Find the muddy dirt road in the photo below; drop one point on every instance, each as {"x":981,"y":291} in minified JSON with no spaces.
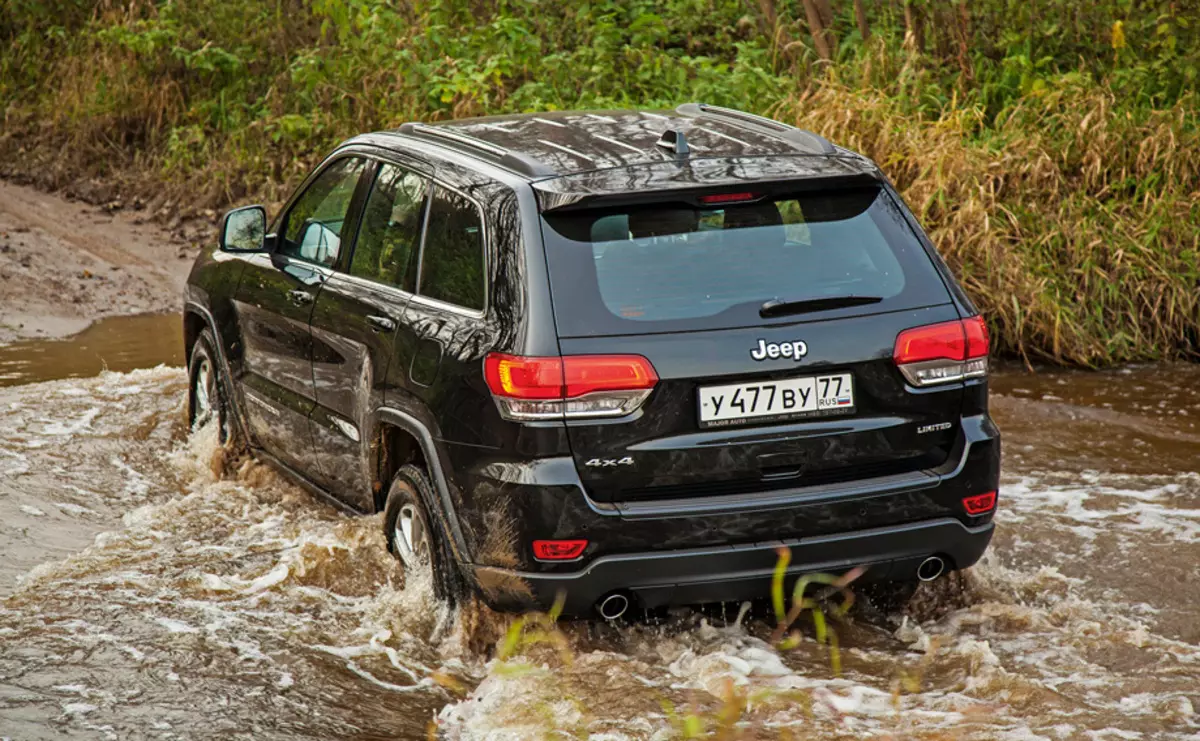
{"x":144,"y":596}
{"x":64,"y":265}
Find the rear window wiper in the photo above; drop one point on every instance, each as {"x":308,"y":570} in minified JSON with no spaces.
{"x":777,"y":307}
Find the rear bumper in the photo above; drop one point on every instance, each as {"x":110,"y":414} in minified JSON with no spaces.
{"x":724,"y":573}
{"x":706,"y":549}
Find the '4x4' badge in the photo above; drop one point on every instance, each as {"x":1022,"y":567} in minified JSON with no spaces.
{"x":606,"y":462}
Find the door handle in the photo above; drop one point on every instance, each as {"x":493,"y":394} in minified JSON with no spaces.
{"x":300,"y":298}
{"x":381,"y":323}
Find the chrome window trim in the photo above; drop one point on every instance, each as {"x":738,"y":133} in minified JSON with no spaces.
{"x":316,"y":267}
{"x":434,"y":303}
{"x":373,"y":285}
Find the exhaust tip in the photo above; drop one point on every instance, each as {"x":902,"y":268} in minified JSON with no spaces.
{"x":931,"y":568}
{"x":613,"y":606}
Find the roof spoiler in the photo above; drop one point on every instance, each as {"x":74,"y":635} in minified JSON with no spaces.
{"x":560,"y":195}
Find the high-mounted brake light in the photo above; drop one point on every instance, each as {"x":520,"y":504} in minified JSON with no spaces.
{"x":980,"y":503}
{"x":570,"y":387}
{"x":728,"y":197}
{"x":558,"y":550}
{"x":942,"y":353}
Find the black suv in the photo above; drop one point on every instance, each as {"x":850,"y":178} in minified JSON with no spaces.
{"x":620,"y":355}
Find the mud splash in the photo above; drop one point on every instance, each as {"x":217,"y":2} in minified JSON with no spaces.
{"x":238,"y":606}
{"x":213,"y":606}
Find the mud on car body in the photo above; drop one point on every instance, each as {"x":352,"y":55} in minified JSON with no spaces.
{"x":618,"y":355}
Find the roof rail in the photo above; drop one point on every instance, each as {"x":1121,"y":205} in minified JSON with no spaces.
{"x":514,"y":161}
{"x":784,"y":131}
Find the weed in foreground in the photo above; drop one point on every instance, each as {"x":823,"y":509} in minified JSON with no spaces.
{"x":736,"y":710}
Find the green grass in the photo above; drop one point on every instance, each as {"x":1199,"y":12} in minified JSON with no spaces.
{"x":1051,"y":149}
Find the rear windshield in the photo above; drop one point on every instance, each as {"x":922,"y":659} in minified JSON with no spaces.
{"x":673,"y":266}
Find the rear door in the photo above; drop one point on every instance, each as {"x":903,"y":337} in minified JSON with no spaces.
{"x":444,"y":325}
{"x":354,"y":327}
{"x":771,"y":323}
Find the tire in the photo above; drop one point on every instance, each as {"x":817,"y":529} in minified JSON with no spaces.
{"x":416,"y":540}
{"x":208,"y":390}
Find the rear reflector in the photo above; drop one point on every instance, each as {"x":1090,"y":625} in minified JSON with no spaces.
{"x":942,"y":353}
{"x":728,"y":197}
{"x":575,"y":386}
{"x":980,"y":503}
{"x":558,"y":550}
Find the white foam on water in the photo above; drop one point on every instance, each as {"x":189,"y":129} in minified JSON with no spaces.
{"x":70,"y":429}
{"x":176,"y":626}
{"x":15,"y":463}
{"x":79,"y":708}
{"x":1146,"y":504}
{"x":230,"y":589}
{"x":73,"y":509}
{"x":1018,"y":663}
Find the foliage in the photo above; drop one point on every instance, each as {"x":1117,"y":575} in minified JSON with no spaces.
{"x":1050,"y":146}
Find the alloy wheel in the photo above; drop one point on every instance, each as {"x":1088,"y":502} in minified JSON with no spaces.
{"x":411,"y":540}
{"x":204,"y":394}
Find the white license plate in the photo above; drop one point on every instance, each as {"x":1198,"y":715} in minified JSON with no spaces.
{"x":793,"y":398}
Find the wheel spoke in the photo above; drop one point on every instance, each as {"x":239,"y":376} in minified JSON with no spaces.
{"x":203,"y":394}
{"x":410,"y":539}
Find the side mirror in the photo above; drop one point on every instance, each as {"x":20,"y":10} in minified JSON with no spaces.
{"x":244,"y":229}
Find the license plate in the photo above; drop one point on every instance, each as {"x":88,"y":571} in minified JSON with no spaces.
{"x":790,"y":398}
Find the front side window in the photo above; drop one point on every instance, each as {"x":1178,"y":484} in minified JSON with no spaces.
{"x":452,"y":264}
{"x":391,"y":227}
{"x":313,"y":230}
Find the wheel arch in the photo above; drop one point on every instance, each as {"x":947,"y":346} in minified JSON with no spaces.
{"x":398,"y":439}
{"x":196,"y":319}
{"x":193,"y":324}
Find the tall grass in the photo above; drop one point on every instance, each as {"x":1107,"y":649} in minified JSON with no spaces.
{"x":1051,"y":152}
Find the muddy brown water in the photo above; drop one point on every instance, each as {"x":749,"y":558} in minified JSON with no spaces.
{"x":120,"y":343}
{"x":146,"y":597}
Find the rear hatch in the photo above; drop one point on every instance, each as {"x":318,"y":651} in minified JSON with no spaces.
{"x":771,"y":322}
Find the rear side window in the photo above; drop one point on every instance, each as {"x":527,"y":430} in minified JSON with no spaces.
{"x":452,"y":264}
{"x":674,"y":266}
{"x":390,"y":234}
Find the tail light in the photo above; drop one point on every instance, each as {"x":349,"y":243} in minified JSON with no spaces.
{"x":571,"y":387}
{"x":558,"y":550}
{"x":980,"y":503}
{"x":942,"y":353}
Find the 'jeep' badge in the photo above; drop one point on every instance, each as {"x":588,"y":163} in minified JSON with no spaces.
{"x":794,"y":350}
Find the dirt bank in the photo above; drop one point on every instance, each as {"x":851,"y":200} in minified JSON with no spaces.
{"x":65,"y":264}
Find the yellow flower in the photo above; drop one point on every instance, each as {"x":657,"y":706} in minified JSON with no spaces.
{"x":1118,"y":35}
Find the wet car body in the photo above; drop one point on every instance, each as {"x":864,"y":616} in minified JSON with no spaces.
{"x":340,"y":380}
